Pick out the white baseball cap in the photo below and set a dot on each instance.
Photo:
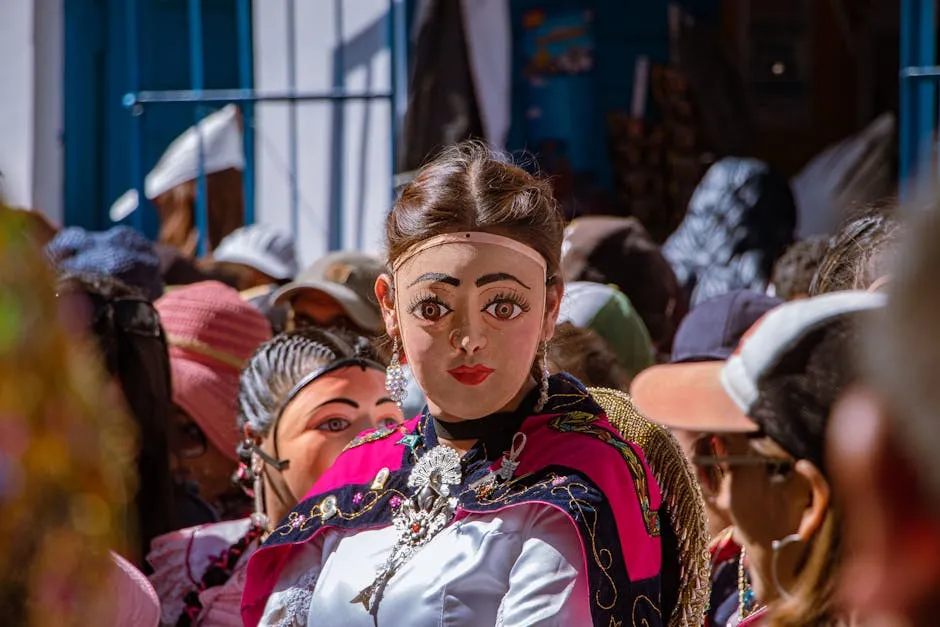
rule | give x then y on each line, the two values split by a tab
720	395
261	247
765	344
222	149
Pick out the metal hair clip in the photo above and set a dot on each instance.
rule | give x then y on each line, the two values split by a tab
277	464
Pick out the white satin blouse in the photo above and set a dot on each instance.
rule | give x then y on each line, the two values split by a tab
521	566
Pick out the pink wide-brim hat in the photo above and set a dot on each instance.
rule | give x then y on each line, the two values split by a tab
211	333
136	602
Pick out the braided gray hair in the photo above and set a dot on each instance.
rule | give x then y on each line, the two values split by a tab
282	362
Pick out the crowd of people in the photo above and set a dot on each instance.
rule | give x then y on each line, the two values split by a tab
507	420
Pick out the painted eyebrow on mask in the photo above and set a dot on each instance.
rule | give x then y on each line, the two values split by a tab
436	277
341	400
486	279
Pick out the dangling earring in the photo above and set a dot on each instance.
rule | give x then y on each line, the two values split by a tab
259	517
543	384
395	382
778	546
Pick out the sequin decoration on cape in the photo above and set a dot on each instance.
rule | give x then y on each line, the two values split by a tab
571	470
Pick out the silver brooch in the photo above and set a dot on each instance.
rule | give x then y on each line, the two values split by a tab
379	482
439	469
328	508
419	518
506	469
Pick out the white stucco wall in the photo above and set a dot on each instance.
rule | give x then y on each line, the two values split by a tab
16	105
365	140
31	43
48	149
31	121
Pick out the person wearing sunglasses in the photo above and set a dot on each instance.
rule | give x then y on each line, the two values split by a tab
707	337
338	290
303	396
768	406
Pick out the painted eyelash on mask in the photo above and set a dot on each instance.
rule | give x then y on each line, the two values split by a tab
509	297
421	299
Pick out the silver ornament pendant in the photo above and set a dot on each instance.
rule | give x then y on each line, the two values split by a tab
419	518
507	467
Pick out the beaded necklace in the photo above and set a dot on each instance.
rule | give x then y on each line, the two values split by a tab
747	602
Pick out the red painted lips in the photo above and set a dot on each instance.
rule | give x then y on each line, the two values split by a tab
471	375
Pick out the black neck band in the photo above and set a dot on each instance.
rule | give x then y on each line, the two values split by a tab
487	427
479	429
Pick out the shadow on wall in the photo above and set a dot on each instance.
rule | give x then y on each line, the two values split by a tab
359	51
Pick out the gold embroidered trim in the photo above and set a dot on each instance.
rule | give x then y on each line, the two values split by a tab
582	422
682	496
300	522
555	484
374	436
642	621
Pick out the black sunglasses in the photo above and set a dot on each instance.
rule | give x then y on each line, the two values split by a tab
130	315
303	321
713	461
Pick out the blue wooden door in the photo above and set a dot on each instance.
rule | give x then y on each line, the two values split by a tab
97	126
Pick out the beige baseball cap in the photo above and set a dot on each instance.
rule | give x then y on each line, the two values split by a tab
349	278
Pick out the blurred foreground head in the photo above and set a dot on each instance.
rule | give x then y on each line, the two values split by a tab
65	451
38	226
884	445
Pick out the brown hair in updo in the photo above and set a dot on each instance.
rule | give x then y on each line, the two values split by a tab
471	188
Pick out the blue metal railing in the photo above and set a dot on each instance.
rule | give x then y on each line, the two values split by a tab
136	100
245	66
919	78
198	82
133	82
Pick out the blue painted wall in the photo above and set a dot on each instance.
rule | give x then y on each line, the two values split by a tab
97	154
622	31
97	126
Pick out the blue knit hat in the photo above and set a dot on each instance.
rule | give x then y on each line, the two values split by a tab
120	252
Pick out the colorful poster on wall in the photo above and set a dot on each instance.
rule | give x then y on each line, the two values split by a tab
558	50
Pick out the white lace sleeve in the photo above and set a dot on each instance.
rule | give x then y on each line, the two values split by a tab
289	604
